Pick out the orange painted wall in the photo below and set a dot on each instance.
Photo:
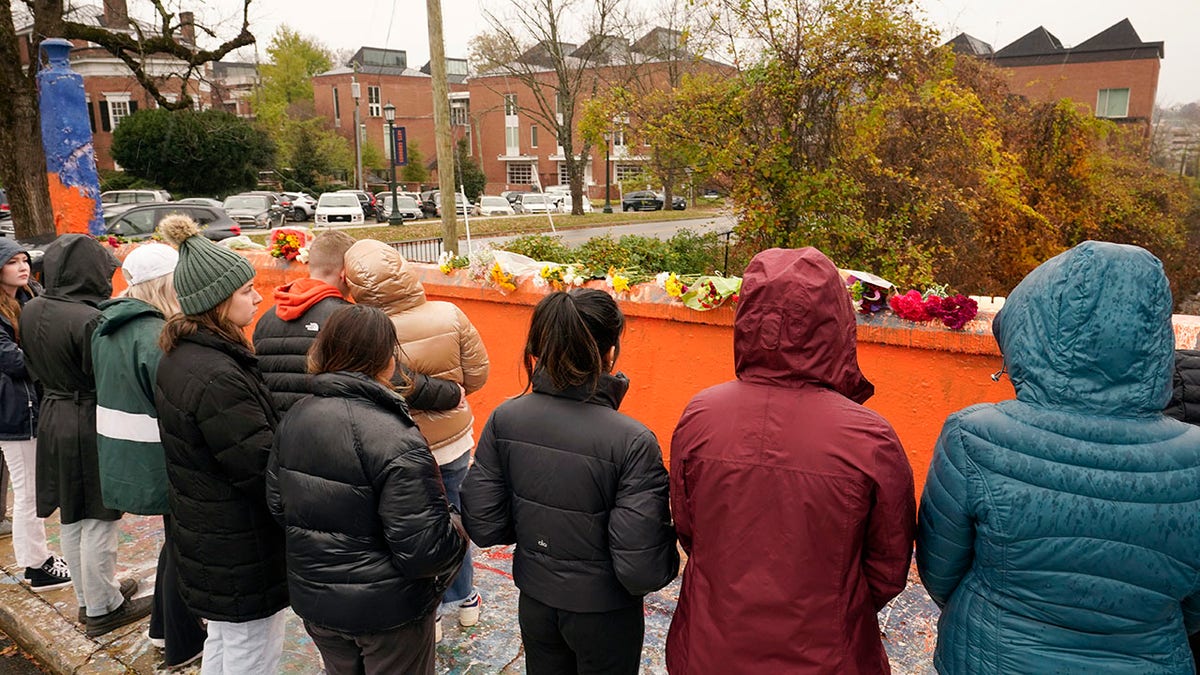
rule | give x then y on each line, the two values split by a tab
921	373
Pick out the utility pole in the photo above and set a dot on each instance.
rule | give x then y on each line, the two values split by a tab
441	126
356	93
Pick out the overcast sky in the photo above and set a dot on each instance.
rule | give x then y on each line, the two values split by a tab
401	24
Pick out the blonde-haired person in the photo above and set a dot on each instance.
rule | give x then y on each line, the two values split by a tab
19	405
217	422
133	470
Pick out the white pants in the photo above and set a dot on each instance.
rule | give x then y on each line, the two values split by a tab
29	532
247	648
90	549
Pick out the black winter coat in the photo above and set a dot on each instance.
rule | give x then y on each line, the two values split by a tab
1185	394
282	349
56	334
582	491
20	399
217	423
370	538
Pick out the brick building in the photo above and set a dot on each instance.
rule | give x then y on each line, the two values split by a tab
1114	74
112	92
384	76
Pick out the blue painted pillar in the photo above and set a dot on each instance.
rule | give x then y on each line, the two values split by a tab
67	138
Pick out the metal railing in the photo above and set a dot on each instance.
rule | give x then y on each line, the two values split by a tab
419	250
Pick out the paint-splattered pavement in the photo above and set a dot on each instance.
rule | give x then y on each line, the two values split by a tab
44	626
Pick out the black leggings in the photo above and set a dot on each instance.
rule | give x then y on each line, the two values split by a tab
558	642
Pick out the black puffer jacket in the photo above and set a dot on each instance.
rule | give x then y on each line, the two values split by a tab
56	334
371	542
1185	394
282	349
20	399
582	491
217	423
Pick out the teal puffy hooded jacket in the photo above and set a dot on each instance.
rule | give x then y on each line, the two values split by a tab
1060	532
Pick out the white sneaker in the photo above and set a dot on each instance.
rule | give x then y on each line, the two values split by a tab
468	610
437	630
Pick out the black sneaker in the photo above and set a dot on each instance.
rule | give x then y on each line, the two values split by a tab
51	575
131	610
128	588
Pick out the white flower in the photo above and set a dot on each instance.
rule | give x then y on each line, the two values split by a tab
661	279
302	255
539	282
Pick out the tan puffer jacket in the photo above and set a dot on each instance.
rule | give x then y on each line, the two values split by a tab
437	337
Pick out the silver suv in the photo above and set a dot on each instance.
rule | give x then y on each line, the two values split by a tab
114	202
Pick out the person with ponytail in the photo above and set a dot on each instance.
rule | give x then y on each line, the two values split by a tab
372	542
216	421
56	333
133	469
19	405
580	489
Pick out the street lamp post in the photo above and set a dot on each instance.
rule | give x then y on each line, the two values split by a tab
607	175
389	114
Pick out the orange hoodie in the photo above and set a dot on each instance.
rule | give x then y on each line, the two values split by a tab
294	299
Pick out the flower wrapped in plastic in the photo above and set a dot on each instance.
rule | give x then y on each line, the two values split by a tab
286	242
711	292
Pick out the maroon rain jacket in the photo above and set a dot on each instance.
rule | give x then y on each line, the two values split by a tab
794	502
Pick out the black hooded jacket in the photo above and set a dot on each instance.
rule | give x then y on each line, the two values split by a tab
370	539
1185	393
56	335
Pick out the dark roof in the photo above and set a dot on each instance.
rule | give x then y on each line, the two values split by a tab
381	61
603	49
661	42
223	68
970	45
541	54
1119	42
1037	42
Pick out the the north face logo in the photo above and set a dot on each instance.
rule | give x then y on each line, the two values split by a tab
313	327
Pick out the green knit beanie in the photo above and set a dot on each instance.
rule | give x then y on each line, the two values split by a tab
207	274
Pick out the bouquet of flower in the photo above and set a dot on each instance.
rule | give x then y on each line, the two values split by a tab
868	291
711	292
954	311
501	279
617	280
448	262
286	243
671	283
558	277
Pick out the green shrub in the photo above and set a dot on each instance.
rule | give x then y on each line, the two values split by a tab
601	253
648	254
540	247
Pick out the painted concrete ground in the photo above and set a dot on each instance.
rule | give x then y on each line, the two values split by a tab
493	646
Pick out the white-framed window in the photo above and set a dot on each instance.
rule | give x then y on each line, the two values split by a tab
118	109
1112	103
512	141
533	135
520	173
624	172
510	104
374	109
362	132
337	109
564	178
460	113
618	137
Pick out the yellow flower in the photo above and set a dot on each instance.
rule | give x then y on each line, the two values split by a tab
620	283
673	286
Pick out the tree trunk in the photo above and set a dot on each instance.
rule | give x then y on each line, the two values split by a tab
23	170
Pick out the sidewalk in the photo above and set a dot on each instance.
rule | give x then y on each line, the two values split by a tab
44	624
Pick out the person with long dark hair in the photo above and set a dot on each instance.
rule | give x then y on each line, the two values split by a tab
372	542
217	421
19	405
580	489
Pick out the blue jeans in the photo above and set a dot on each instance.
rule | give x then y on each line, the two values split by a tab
453	475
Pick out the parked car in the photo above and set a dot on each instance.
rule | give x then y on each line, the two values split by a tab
116	201
7	229
339	207
711	193
642	200
5	211
535	202
366	201
387	194
495	206
140	221
407	207
304	205
258	210
429	200
678	203
203	201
